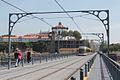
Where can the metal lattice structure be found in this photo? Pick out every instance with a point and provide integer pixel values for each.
(99, 35)
(97, 13)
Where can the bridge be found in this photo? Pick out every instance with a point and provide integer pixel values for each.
(94, 66)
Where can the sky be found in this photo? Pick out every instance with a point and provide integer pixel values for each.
(85, 23)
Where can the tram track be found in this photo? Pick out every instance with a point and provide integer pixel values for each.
(44, 70)
(31, 71)
(25, 68)
(60, 69)
(37, 70)
(57, 70)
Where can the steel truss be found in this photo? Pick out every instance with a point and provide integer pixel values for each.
(96, 13)
(99, 35)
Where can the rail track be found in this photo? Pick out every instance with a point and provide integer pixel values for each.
(26, 72)
(41, 68)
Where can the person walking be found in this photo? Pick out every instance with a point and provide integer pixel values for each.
(19, 57)
(16, 58)
(29, 55)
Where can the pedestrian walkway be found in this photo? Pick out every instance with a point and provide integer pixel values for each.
(98, 70)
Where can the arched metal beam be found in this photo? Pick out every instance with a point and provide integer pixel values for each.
(99, 35)
(96, 13)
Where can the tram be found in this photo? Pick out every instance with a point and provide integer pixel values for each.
(83, 50)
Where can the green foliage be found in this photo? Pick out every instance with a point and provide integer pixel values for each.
(77, 35)
(40, 46)
(112, 47)
(28, 44)
(86, 43)
(3, 46)
(115, 47)
(64, 33)
(70, 33)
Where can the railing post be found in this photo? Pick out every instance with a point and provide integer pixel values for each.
(9, 62)
(85, 70)
(40, 58)
(58, 56)
(81, 74)
(23, 56)
(1, 60)
(72, 78)
(22, 62)
(46, 58)
(67, 55)
(88, 66)
(32, 61)
(118, 73)
(51, 57)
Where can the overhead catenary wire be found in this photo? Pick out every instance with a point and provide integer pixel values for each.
(41, 19)
(87, 17)
(75, 16)
(48, 18)
(68, 14)
(82, 16)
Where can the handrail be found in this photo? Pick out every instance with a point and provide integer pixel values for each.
(112, 66)
(88, 63)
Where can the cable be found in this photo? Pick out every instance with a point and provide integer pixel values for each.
(63, 17)
(72, 17)
(68, 15)
(26, 12)
(90, 18)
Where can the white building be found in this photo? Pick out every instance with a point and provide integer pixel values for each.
(58, 30)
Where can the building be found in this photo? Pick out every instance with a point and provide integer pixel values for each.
(58, 30)
(26, 38)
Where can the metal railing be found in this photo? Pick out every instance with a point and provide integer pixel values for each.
(112, 66)
(83, 70)
(35, 59)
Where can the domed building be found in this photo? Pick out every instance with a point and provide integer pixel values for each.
(59, 29)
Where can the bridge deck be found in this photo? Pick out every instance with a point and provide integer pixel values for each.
(99, 70)
(51, 70)
(57, 70)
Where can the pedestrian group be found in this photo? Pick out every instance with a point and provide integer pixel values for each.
(18, 56)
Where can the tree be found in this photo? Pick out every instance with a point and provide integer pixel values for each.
(70, 33)
(77, 35)
(3, 46)
(28, 44)
(40, 46)
(64, 34)
(115, 47)
(104, 47)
